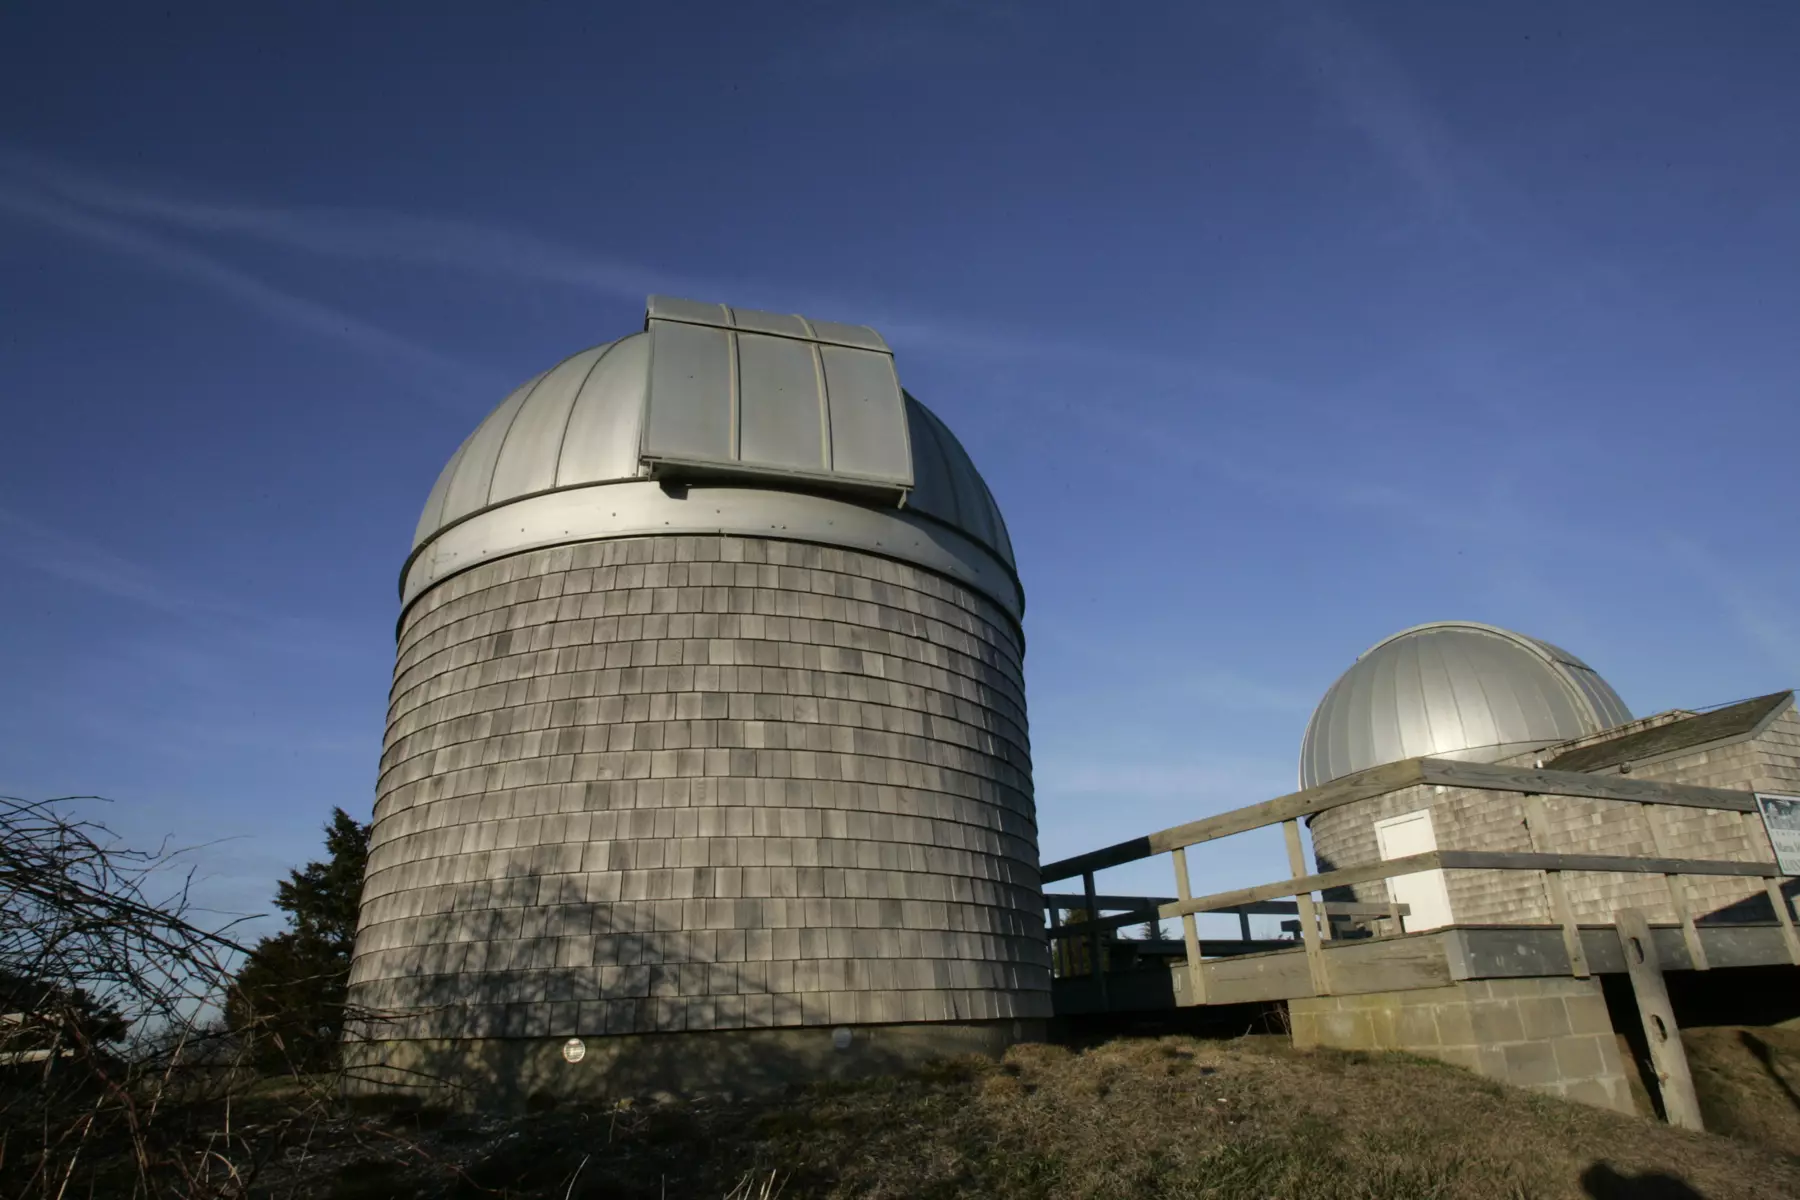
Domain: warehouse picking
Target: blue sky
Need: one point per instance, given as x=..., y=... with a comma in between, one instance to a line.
x=1275, y=329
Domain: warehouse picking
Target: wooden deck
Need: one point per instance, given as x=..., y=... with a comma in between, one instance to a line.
x=1329, y=961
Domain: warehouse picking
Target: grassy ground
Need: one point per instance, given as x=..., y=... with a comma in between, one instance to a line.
x=1748, y=1081
x=1133, y=1118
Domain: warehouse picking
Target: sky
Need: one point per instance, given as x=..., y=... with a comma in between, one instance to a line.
x=1275, y=328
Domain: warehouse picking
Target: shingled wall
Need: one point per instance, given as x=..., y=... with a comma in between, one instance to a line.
x=1764, y=757
x=701, y=784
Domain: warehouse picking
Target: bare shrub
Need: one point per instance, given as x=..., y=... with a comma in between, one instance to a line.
x=118, y=1074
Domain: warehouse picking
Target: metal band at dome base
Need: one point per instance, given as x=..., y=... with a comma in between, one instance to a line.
x=640, y=508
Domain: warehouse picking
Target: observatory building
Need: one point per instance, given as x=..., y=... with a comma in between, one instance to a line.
x=1462, y=690
x=706, y=757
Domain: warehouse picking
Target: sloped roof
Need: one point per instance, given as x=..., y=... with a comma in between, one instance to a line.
x=1734, y=720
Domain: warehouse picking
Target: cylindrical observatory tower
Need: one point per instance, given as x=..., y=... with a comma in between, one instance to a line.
x=706, y=759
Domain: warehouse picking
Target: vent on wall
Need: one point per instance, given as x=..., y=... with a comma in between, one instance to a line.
x=736, y=393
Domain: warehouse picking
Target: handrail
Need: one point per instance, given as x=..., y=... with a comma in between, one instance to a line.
x=1295, y=894
x=1391, y=777
x=1467, y=860
x=1261, y=908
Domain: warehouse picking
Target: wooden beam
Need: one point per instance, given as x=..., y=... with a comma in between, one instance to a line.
x=1102, y=924
x=1680, y=1103
x=1779, y=903
x=1677, y=893
x=1458, y=860
x=1309, y=921
x=1757, y=835
x=1095, y=949
x=1488, y=860
x=1493, y=778
x=1364, y=785
x=1157, y=907
x=1537, y=826
x=1106, y=903
x=1190, y=934
x=1291, y=887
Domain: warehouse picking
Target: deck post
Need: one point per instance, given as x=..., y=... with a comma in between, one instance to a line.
x=1243, y=924
x=1677, y=894
x=1667, y=1056
x=1096, y=952
x=1309, y=917
x=1190, y=931
x=1755, y=832
x=1537, y=826
x=1778, y=902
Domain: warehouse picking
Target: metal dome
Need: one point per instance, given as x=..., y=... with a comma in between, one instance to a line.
x=1454, y=689
x=718, y=420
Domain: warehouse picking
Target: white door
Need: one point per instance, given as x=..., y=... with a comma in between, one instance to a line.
x=1423, y=892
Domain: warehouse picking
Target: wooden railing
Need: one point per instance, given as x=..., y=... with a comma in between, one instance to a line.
x=1315, y=924
x=18, y=1023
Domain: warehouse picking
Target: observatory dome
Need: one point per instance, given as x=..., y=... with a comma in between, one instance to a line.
x=747, y=404
x=707, y=762
x=1454, y=689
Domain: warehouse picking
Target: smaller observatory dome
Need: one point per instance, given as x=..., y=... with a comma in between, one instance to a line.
x=1454, y=689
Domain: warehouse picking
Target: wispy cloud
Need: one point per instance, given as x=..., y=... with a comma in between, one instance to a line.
x=98, y=569
x=860, y=42
x=1201, y=784
x=1758, y=609
x=365, y=235
x=1363, y=86
x=229, y=624
x=206, y=270
x=1096, y=664
x=58, y=214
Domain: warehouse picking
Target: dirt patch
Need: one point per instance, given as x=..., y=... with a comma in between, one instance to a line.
x=1170, y=1117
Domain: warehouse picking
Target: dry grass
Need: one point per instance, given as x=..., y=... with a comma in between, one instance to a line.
x=1748, y=1081
x=1243, y=1120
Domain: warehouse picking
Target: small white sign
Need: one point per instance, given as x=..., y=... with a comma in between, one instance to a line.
x=1781, y=817
x=574, y=1050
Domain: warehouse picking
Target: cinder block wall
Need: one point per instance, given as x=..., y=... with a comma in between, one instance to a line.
x=701, y=784
x=1465, y=819
x=1550, y=1035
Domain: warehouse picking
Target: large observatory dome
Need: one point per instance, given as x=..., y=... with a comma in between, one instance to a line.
x=1454, y=689
x=709, y=394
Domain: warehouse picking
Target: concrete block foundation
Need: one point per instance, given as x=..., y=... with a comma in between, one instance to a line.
x=1551, y=1034
x=514, y=1073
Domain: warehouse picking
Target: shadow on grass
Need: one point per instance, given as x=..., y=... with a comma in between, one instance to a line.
x=1602, y=1182
x=1759, y=1050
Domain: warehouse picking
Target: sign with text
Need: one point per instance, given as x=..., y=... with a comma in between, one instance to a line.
x=1781, y=817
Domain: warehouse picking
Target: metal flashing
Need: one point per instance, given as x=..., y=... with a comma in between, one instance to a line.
x=722, y=316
